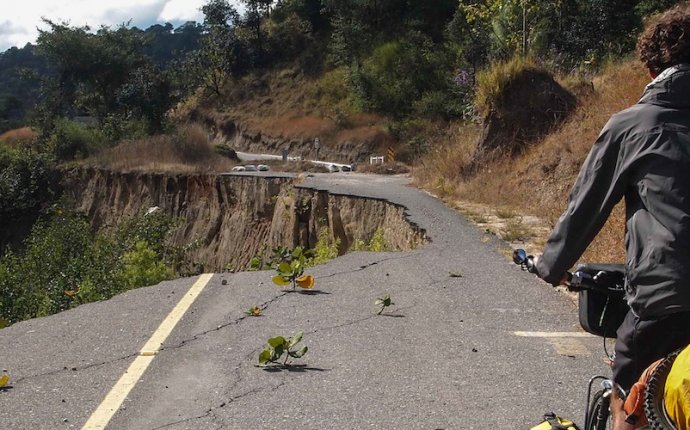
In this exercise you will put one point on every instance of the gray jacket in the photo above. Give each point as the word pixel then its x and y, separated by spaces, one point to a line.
pixel 643 153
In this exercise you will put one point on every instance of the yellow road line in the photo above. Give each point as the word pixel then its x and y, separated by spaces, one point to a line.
pixel 112 402
pixel 554 334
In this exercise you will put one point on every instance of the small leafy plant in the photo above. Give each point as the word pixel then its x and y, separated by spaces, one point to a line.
pixel 4 380
pixel 383 303
pixel 291 271
pixel 261 260
pixel 278 346
pixel 254 311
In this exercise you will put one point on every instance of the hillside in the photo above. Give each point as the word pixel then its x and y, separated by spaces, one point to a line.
pixel 536 183
pixel 295 108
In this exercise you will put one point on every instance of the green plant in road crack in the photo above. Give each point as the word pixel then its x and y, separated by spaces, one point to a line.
pixel 4 380
pixel 254 311
pixel 383 303
pixel 278 346
pixel 278 255
pixel 291 272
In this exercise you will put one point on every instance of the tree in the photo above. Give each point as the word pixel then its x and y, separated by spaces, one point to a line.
pixel 257 11
pixel 91 67
pixel 105 75
pixel 222 54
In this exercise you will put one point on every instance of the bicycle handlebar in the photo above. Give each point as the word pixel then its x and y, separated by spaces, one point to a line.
pixel 604 278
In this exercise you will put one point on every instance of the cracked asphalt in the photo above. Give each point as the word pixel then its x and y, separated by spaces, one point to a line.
pixel 445 356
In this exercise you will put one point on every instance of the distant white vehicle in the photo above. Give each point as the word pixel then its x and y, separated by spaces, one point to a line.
pixel 250 168
pixel 263 168
pixel 332 168
pixel 238 169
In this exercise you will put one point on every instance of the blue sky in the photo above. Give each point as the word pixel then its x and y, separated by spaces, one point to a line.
pixel 19 22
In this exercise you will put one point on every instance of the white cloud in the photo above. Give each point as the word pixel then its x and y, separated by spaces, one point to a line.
pixel 182 10
pixel 19 22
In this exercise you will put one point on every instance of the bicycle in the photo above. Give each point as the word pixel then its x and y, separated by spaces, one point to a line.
pixel 602 309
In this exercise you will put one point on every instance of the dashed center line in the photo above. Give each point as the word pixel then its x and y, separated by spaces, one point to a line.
pixel 565 343
pixel 112 402
pixel 552 334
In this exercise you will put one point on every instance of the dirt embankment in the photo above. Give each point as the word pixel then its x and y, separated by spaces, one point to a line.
pixel 353 144
pixel 230 219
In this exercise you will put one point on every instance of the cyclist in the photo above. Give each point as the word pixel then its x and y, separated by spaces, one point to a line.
pixel 642 154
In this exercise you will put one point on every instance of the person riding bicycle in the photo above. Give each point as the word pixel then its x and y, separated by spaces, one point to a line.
pixel 642 155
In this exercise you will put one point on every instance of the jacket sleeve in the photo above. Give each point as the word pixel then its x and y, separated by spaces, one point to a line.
pixel 600 185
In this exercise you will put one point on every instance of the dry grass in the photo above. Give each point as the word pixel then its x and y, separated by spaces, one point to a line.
pixel 538 182
pixel 186 151
pixel 18 137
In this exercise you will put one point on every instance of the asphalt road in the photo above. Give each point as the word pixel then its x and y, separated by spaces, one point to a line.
pixel 445 356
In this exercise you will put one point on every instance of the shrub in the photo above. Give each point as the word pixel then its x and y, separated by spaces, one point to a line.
pixel 326 249
pixel 70 140
pixel 141 266
pixel 378 241
pixel 27 183
pixel 64 263
pixel 332 87
pixel 492 82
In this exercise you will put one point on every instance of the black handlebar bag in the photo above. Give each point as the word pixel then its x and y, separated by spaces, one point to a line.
pixel 603 308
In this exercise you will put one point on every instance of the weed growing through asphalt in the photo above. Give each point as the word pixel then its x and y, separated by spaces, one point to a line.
pixel 254 311
pixel 278 255
pixel 278 346
pixel 383 303
pixel 291 271
pixel 4 380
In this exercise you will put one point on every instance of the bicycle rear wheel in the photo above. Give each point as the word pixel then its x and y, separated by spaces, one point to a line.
pixel 654 395
pixel 598 412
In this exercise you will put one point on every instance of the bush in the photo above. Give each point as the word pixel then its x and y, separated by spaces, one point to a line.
pixel 326 249
pixel 70 140
pixel 141 266
pixel 41 280
pixel 29 183
pixel 65 264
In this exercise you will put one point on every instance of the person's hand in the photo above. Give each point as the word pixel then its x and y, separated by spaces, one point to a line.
pixel 563 279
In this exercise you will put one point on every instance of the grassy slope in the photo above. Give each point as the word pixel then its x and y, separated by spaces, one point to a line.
pixel 538 182
pixel 288 104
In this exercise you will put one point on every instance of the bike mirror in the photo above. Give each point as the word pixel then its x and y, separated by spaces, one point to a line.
pixel 519 256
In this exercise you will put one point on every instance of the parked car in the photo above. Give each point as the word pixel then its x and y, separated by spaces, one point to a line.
pixel 263 168
pixel 238 169
pixel 250 168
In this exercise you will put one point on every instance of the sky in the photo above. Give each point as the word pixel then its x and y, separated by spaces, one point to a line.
pixel 20 18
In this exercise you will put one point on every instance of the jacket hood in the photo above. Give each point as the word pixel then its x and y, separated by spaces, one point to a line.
pixel 670 89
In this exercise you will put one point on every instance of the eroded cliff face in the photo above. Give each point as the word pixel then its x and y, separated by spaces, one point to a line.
pixel 232 218
pixel 240 138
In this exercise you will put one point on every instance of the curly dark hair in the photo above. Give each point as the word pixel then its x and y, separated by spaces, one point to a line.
pixel 665 41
